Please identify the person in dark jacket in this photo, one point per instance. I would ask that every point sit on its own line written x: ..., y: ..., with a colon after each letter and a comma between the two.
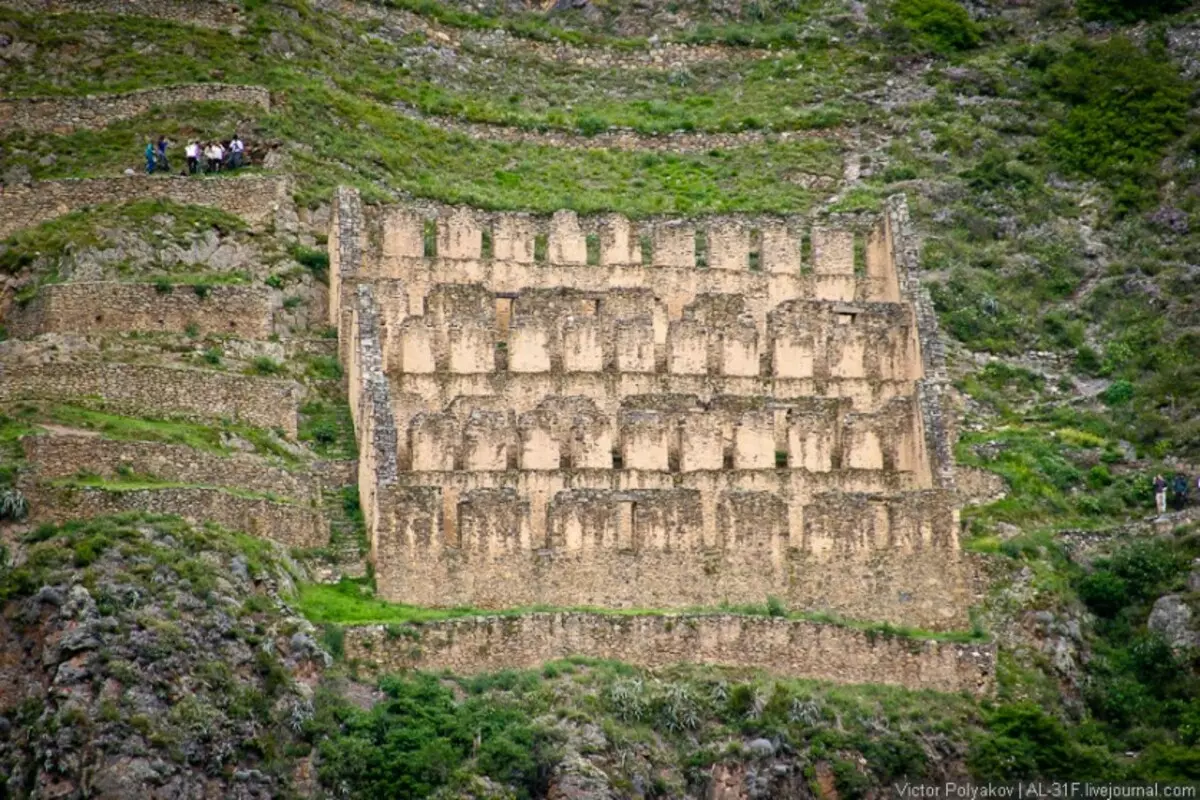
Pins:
x: 163, y: 164
x: 1179, y: 487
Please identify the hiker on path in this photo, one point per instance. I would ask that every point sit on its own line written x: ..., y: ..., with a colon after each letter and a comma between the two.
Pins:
x: 192, y: 151
x: 163, y: 164
x: 236, y: 148
x: 149, y: 157
x: 1160, y: 494
x: 1179, y: 487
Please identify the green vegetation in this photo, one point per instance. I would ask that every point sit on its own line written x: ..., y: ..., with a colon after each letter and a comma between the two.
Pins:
x: 1128, y: 10
x: 1125, y: 107
x: 942, y: 26
x: 158, y: 221
x: 216, y: 439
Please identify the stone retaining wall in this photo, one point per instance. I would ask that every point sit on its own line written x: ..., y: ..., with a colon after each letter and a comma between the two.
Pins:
x: 290, y: 525
x: 255, y: 198
x: 64, y: 114
x: 204, y: 13
x: 56, y: 456
x: 111, y: 307
x: 161, y: 391
x: 785, y: 647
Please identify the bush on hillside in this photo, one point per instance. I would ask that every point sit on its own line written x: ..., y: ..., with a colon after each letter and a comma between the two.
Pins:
x: 1127, y: 10
x: 941, y: 26
x: 1124, y: 107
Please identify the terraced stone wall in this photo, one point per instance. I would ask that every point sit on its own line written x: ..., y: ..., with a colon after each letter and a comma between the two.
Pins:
x: 255, y: 198
x: 65, y: 114
x: 57, y: 457
x: 160, y: 391
x: 110, y: 307
x: 204, y: 13
x: 784, y: 647
x: 289, y: 524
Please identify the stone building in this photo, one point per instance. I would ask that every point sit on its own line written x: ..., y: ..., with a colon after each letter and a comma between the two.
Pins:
x: 655, y: 414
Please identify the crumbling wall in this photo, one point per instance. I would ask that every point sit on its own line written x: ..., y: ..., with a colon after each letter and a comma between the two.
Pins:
x: 64, y: 114
x: 663, y: 413
x: 289, y: 524
x: 56, y: 457
x: 792, y: 648
x: 542, y: 539
x: 138, y: 389
x: 255, y: 198
x: 111, y: 307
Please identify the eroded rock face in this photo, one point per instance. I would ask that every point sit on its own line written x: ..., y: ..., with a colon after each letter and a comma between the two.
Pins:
x: 1173, y: 619
x: 152, y: 674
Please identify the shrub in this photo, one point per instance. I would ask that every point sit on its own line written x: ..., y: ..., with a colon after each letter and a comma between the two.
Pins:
x: 1128, y: 10
x: 941, y: 26
x: 13, y: 505
x: 775, y: 607
x: 1126, y: 106
x: 1118, y: 393
x: 163, y: 286
x: 1104, y: 593
x: 265, y: 365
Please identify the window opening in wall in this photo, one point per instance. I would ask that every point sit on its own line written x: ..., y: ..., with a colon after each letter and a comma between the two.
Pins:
x: 593, y: 249
x: 781, y: 459
x: 486, y: 248
x: 860, y: 255
x: 701, y: 250
x: 754, y: 258
x: 618, y: 460
x: 806, y: 253
x: 429, y: 232
x: 647, y: 250
x: 541, y: 248
x: 503, y: 315
x: 626, y: 513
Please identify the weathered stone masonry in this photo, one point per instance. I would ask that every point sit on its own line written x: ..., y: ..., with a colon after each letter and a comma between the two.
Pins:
x: 289, y: 524
x: 57, y: 457
x: 784, y: 647
x: 255, y: 198
x: 64, y: 114
x: 665, y: 413
x: 160, y: 391
x: 112, y: 307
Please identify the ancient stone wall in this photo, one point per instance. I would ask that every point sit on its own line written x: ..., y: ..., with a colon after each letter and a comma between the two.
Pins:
x: 56, y: 457
x: 64, y: 114
x: 519, y: 543
x: 110, y: 307
x: 289, y: 524
x: 255, y: 198
x: 665, y: 413
x: 784, y: 647
x: 203, y: 13
x: 160, y: 391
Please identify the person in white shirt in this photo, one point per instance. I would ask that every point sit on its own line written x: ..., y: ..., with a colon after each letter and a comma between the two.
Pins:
x: 236, y: 148
x: 192, y: 151
x: 213, y: 157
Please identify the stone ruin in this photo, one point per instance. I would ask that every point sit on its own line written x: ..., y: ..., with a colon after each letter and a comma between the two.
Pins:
x: 667, y: 413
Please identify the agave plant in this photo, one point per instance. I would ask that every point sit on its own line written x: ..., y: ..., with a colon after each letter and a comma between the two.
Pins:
x: 13, y: 505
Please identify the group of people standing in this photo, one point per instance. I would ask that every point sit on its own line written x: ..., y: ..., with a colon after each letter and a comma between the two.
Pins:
x: 1179, y: 491
x: 208, y: 157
